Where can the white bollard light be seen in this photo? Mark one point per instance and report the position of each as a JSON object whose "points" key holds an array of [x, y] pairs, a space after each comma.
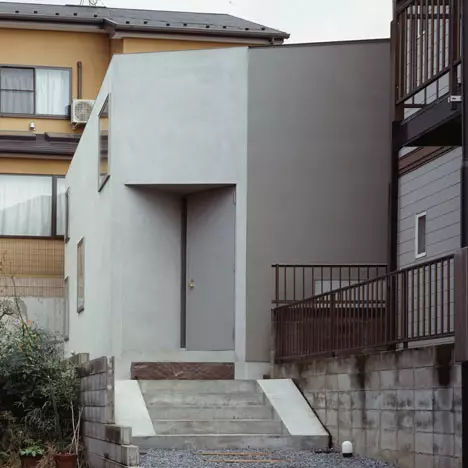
{"points": [[347, 449]]}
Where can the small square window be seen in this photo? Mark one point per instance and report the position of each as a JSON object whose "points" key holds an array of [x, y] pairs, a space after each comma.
{"points": [[420, 235], [104, 170], [80, 276]]}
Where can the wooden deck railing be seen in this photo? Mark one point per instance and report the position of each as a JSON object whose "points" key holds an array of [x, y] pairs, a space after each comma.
{"points": [[427, 42], [412, 304]]}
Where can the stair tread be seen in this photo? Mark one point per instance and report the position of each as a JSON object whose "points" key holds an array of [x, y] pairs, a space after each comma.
{"points": [[212, 420], [178, 405], [215, 434], [205, 394]]}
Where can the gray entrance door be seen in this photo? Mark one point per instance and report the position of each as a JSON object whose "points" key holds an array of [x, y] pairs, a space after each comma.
{"points": [[211, 219]]}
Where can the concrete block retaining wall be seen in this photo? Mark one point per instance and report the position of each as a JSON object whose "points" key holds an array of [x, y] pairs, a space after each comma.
{"points": [[403, 407], [107, 445]]}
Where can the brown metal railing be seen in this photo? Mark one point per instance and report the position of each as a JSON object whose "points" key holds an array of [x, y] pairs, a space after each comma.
{"points": [[428, 50], [412, 304], [297, 282]]}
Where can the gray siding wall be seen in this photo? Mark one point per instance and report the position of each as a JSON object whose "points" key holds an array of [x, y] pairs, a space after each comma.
{"points": [[318, 160], [435, 189]]}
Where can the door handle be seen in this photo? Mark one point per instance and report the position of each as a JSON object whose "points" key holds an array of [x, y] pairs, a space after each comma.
{"points": [[191, 284]]}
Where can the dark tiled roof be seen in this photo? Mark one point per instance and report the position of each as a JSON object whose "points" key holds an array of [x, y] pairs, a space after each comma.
{"points": [[142, 20], [51, 144]]}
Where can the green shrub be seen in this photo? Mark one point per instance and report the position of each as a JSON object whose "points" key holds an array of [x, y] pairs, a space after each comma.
{"points": [[39, 390]]}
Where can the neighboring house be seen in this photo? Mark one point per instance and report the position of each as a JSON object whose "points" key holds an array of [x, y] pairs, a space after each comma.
{"points": [[200, 169], [51, 55], [403, 406], [427, 133]]}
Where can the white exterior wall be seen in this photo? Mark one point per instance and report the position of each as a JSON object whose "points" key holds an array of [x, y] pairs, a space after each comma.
{"points": [[91, 331], [176, 118], [181, 118]]}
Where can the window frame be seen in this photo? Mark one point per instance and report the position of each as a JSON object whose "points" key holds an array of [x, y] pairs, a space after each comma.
{"points": [[66, 318], [66, 236], [53, 224], [418, 254], [104, 112], [35, 115], [80, 248]]}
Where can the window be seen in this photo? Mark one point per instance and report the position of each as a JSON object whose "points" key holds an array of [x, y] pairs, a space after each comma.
{"points": [[66, 312], [67, 215], [31, 205], [420, 235], [35, 91], [104, 172], [80, 276]]}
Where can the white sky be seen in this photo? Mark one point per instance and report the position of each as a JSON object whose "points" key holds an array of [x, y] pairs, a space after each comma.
{"points": [[305, 20]]}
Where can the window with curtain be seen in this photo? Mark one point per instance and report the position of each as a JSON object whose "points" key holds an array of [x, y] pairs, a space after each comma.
{"points": [[30, 205], [35, 91]]}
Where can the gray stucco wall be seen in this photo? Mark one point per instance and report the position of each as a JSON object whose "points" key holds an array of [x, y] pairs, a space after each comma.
{"points": [[318, 164], [435, 189], [182, 119], [91, 331]]}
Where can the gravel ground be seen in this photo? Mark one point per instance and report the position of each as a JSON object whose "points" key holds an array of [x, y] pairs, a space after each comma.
{"points": [[280, 459]]}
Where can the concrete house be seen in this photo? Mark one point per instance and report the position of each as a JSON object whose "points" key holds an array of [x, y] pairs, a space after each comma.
{"points": [[52, 58], [197, 171]]}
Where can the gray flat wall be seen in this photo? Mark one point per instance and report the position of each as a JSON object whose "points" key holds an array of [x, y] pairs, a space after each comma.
{"points": [[182, 122], [435, 189], [401, 407], [93, 330], [318, 164], [303, 132], [176, 119]]}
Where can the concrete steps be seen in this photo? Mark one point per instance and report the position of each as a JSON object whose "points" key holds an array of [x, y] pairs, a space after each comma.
{"points": [[219, 426], [200, 386], [178, 413], [226, 442], [204, 400], [215, 415]]}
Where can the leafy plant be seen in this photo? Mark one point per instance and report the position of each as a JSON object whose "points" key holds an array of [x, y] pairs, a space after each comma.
{"points": [[40, 392], [34, 450]]}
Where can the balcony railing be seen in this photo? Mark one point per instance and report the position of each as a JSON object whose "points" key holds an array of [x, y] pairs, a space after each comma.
{"points": [[427, 41], [412, 304], [297, 282]]}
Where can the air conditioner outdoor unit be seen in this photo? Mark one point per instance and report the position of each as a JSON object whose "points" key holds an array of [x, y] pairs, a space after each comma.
{"points": [[81, 111]]}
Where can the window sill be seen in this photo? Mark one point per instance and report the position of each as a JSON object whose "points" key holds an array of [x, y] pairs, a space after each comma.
{"points": [[80, 309], [5, 236], [421, 255], [103, 182], [35, 116]]}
